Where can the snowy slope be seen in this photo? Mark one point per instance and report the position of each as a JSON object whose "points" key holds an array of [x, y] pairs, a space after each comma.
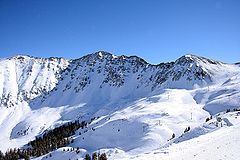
{"points": [[219, 143], [139, 106], [22, 79], [208, 141]]}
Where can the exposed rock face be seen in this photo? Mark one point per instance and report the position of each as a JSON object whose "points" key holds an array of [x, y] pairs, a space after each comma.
{"points": [[24, 78]]}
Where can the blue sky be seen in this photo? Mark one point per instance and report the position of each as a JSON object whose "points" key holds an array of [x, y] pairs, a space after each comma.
{"points": [[156, 30]]}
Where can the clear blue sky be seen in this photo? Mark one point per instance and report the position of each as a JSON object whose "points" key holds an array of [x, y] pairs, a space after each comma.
{"points": [[156, 30]]}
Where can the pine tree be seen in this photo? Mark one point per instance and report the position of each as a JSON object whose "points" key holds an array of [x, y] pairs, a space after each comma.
{"points": [[103, 156], [94, 156], [173, 135], [87, 157], [1, 155]]}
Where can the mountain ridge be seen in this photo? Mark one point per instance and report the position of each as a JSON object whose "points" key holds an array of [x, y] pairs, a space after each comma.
{"points": [[126, 93], [103, 54], [115, 70]]}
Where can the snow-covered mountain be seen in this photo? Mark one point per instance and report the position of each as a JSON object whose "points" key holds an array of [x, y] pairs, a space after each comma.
{"points": [[139, 105]]}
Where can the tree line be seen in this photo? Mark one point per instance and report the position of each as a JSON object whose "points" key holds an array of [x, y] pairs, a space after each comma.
{"points": [[48, 142]]}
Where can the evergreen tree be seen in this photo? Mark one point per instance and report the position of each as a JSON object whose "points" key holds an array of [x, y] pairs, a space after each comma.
{"points": [[103, 156], [1, 156], [87, 157], [94, 156]]}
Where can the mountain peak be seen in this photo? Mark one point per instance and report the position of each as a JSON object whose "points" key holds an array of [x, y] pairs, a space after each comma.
{"points": [[103, 53], [20, 56], [97, 55], [191, 58]]}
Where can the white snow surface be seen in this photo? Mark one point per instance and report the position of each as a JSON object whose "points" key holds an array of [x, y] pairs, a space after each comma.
{"points": [[139, 106]]}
